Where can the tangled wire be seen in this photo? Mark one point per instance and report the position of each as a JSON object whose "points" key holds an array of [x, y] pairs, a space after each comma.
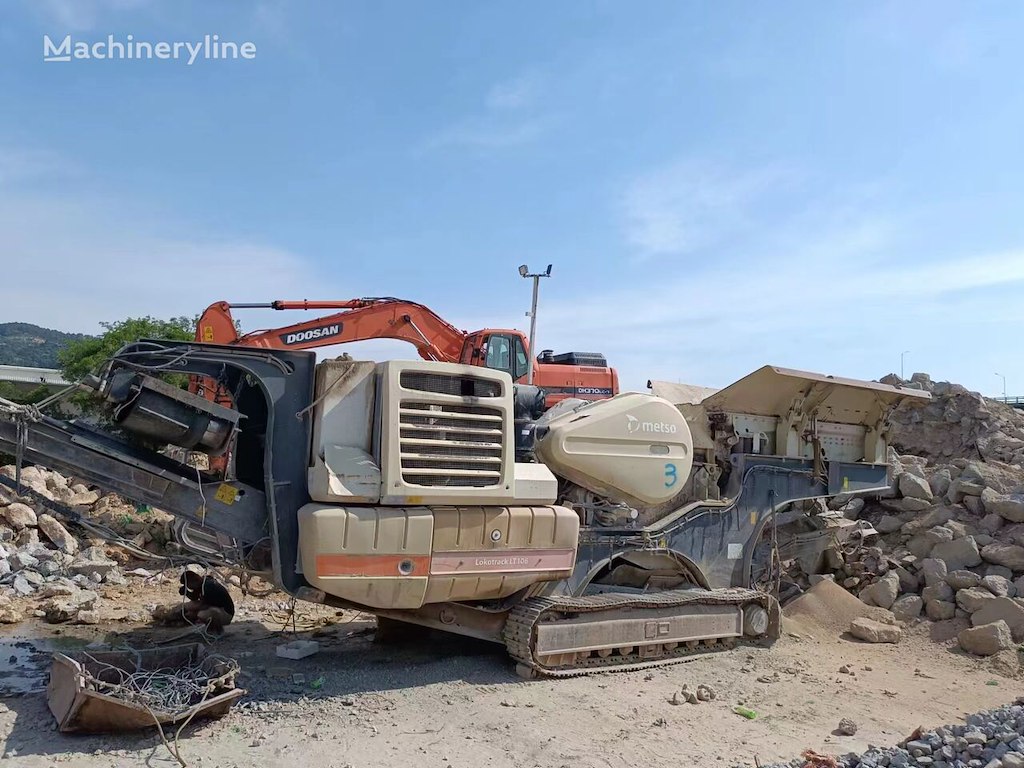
{"points": [[167, 690], [170, 691]]}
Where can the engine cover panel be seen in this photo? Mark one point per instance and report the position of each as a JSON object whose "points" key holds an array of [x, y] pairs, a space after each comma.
{"points": [[405, 557], [633, 448]]}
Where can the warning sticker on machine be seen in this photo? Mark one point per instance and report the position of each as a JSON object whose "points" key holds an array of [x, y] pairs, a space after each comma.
{"points": [[735, 551], [226, 494]]}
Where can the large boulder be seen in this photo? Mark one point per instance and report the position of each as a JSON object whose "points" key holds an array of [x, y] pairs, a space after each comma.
{"points": [[939, 610], [990, 523], [55, 480], [1005, 609], [9, 612], [1000, 586], [890, 524], [92, 560], [934, 571], [909, 582], [922, 544], [907, 607], [940, 481], [883, 592], [958, 553], [987, 639], [938, 516], [1007, 555], [19, 515], [852, 509], [960, 488], [84, 499], [872, 631], [973, 599], [940, 591], [998, 570], [914, 504], [993, 474], [914, 487], [963, 579], [58, 534], [58, 610], [1009, 506]]}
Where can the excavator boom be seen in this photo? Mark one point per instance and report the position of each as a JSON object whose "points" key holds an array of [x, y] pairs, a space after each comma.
{"points": [[359, 320], [584, 376]]}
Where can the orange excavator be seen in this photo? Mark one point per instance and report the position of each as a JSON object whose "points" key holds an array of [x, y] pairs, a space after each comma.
{"points": [[581, 375]]}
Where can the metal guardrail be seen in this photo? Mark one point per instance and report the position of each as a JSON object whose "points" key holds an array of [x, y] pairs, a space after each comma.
{"points": [[25, 375], [1016, 401]]}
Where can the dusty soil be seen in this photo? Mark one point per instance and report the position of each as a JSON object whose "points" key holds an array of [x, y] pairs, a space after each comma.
{"points": [[436, 701]]}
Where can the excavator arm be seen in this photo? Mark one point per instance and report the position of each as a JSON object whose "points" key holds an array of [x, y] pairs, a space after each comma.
{"points": [[358, 320]]}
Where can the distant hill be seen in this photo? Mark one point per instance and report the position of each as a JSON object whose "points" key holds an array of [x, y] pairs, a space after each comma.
{"points": [[30, 345]]}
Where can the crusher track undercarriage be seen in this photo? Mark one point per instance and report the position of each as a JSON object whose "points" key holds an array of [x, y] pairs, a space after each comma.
{"points": [[612, 632]]}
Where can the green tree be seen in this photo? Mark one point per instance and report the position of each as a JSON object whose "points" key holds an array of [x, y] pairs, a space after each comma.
{"points": [[17, 394], [84, 356]]}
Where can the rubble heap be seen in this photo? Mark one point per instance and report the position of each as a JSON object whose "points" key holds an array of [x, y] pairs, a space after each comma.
{"points": [[48, 571], [950, 542], [956, 423]]}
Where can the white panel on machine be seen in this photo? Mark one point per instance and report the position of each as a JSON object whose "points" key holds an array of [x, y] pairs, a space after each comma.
{"points": [[633, 447], [446, 434], [342, 466]]}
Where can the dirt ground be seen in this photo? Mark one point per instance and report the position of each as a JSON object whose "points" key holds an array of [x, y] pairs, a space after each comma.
{"points": [[436, 701]]}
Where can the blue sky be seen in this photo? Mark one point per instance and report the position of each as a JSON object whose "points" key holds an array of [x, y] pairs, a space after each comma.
{"points": [[718, 185]]}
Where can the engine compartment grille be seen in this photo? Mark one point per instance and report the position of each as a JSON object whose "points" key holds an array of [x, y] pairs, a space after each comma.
{"points": [[450, 445], [461, 386]]}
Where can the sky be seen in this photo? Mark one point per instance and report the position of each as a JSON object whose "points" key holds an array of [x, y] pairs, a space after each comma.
{"points": [[719, 186]]}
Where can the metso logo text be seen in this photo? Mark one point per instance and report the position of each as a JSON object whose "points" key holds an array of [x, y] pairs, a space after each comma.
{"points": [[633, 424]]}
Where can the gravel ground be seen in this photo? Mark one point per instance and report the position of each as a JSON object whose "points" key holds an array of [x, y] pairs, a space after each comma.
{"points": [[992, 738], [438, 701]]}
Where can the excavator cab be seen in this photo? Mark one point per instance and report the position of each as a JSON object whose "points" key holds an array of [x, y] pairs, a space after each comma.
{"points": [[498, 350]]}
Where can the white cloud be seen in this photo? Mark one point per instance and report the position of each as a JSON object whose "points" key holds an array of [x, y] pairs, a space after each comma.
{"points": [[841, 286], [510, 117], [72, 260], [689, 204], [517, 93], [807, 310]]}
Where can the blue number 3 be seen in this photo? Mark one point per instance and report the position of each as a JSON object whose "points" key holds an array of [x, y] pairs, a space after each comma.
{"points": [[671, 476]]}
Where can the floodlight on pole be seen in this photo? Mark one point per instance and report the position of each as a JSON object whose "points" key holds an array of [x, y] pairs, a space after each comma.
{"points": [[524, 271], [1004, 384]]}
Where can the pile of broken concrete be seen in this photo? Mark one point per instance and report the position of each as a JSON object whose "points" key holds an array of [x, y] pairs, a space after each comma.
{"points": [[951, 527], [46, 570]]}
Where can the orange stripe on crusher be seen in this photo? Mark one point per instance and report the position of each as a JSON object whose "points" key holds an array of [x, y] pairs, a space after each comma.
{"points": [[372, 565]]}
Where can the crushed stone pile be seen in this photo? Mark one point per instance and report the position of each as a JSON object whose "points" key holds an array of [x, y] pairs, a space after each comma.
{"points": [[949, 546], [51, 572], [989, 739], [956, 423], [827, 607]]}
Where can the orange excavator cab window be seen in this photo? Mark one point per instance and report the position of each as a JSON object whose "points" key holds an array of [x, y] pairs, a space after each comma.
{"points": [[520, 362], [506, 353], [499, 353]]}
